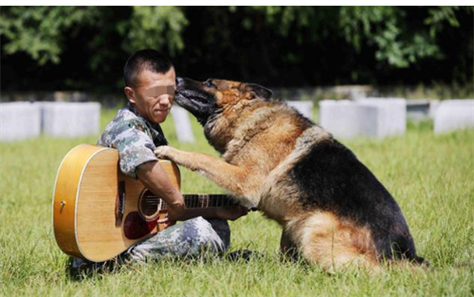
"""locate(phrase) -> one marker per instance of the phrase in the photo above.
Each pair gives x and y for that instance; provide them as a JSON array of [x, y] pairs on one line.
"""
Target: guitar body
[[98, 212]]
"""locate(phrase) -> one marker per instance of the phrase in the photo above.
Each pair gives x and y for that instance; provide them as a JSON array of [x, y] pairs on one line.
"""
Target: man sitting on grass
[[135, 132]]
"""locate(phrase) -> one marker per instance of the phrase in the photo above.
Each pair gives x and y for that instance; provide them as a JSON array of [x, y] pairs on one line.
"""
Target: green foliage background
[[84, 48]]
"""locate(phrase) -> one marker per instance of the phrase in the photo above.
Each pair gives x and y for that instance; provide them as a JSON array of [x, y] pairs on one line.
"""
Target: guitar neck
[[205, 201]]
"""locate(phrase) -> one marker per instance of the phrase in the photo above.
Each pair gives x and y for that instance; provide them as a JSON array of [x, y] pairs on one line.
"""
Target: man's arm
[[155, 179]]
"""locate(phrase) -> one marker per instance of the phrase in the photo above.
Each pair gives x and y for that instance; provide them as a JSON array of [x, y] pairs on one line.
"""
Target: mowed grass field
[[431, 177]]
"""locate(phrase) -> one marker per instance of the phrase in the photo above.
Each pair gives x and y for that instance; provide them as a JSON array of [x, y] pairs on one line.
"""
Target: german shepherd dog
[[333, 210]]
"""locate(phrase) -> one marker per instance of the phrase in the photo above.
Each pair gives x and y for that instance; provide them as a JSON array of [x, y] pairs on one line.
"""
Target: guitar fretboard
[[205, 201]]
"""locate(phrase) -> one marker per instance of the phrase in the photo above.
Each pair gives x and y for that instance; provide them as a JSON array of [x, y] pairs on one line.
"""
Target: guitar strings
[[194, 201]]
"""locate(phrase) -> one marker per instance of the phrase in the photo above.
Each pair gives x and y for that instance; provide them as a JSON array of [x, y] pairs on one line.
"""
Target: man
[[135, 132]]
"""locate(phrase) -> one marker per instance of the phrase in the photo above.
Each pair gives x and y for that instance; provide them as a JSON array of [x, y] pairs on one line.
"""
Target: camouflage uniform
[[135, 139]]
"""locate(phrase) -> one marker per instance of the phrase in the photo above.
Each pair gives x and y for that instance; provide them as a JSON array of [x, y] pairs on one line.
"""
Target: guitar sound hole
[[148, 205]]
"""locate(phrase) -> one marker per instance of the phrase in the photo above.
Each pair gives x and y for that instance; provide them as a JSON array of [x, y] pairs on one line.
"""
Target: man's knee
[[202, 235], [191, 237]]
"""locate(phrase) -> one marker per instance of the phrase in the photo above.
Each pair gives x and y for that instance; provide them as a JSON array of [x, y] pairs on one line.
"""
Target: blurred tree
[[39, 31], [155, 27], [86, 47], [400, 40]]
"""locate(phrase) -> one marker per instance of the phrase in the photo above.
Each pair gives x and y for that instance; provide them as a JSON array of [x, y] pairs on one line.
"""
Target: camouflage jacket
[[134, 137]]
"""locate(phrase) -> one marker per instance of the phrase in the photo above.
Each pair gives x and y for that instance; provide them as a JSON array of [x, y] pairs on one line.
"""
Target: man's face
[[153, 94]]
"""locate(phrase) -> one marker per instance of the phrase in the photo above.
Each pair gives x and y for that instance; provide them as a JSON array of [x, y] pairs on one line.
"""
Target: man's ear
[[260, 91], [130, 94]]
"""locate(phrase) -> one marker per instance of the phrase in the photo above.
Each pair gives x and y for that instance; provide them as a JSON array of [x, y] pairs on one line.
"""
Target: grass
[[430, 176]]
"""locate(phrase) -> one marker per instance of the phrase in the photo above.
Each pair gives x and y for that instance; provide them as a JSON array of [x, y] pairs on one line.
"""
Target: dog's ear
[[260, 92]]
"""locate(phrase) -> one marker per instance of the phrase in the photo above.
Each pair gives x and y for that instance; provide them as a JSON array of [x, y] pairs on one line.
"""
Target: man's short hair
[[146, 59]]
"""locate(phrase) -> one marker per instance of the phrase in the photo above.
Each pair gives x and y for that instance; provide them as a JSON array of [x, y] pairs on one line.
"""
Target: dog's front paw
[[164, 152]]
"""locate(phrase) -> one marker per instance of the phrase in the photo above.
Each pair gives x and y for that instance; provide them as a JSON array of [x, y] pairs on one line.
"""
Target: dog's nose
[[179, 80]]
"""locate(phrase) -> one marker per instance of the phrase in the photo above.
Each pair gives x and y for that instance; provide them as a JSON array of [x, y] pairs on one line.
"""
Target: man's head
[[150, 84]]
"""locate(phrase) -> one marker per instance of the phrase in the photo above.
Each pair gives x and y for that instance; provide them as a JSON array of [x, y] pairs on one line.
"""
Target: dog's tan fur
[[254, 167]]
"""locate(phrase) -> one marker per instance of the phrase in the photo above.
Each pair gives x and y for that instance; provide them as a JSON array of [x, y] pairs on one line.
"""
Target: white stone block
[[347, 119], [391, 115], [382, 98], [421, 109], [182, 123], [434, 104], [304, 107], [367, 118], [70, 119], [418, 109], [19, 120], [453, 115]]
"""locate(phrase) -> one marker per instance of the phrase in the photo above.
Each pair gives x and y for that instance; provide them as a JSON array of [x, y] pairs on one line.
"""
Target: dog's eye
[[208, 83]]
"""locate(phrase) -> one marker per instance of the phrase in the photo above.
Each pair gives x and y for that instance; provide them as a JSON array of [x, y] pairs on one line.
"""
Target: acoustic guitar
[[98, 212]]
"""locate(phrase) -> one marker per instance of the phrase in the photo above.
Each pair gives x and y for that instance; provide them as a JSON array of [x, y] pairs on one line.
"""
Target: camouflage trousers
[[189, 238]]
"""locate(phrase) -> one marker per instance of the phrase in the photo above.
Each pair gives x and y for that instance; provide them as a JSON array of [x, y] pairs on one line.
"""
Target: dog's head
[[219, 104], [205, 99]]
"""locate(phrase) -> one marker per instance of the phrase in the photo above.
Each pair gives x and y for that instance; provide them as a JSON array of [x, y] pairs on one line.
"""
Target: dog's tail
[[407, 251], [402, 249], [420, 261]]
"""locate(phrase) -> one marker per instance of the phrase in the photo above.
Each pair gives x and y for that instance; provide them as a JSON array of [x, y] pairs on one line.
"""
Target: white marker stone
[[19, 121], [391, 115], [182, 124], [347, 119], [453, 115], [374, 118], [70, 119], [304, 107], [421, 109]]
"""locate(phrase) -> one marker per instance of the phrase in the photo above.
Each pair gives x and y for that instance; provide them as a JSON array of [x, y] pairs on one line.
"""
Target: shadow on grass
[[80, 270], [86, 269]]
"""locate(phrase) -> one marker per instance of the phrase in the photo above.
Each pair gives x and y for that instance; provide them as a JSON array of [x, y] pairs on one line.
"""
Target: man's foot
[[80, 268]]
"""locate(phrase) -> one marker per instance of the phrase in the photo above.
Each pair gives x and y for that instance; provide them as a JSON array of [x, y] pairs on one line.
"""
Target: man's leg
[[190, 238]]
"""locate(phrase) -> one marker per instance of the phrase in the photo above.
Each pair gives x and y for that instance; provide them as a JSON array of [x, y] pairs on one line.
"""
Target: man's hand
[[174, 214], [225, 213], [231, 212]]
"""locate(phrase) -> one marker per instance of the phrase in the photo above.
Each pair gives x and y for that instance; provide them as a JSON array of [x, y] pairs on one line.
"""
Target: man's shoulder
[[127, 113], [125, 120]]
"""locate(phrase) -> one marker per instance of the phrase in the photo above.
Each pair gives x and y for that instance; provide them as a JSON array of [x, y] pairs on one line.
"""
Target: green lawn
[[431, 177]]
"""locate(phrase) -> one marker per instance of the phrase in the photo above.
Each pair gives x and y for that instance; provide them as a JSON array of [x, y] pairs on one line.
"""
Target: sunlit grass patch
[[430, 176]]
